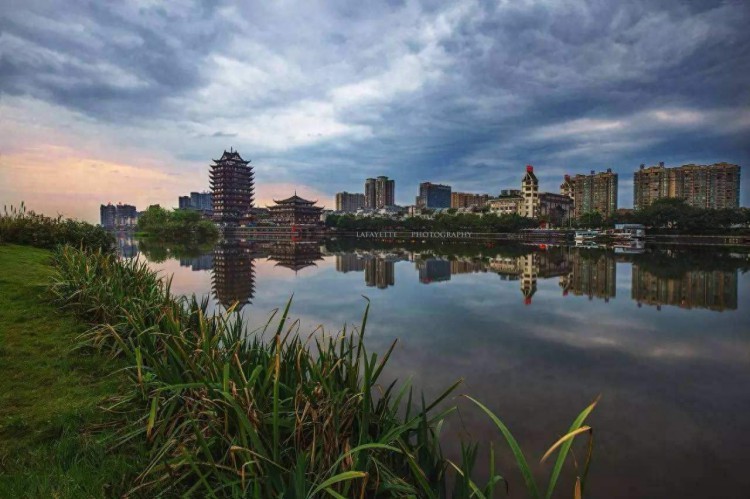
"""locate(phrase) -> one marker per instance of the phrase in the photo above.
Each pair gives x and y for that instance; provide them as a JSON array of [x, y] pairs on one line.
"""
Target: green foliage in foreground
[[50, 393], [176, 225], [19, 226], [230, 413]]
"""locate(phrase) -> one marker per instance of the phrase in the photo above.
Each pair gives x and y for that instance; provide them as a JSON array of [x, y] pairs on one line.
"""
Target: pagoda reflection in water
[[233, 276]]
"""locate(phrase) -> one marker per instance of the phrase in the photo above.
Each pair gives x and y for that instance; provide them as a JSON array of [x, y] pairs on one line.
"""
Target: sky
[[129, 101]]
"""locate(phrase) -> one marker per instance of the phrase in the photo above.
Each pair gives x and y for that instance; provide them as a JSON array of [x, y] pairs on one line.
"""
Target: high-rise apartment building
[[107, 215], [379, 192], [370, 201], [469, 200], [348, 202], [596, 192], [200, 201], [434, 195], [126, 215], [385, 192], [232, 184], [703, 186]]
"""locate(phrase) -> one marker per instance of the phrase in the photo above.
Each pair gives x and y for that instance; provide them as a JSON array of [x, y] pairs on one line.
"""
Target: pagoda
[[232, 185], [295, 211]]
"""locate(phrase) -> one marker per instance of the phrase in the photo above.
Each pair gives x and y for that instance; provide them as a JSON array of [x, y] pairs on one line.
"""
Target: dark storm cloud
[[465, 93]]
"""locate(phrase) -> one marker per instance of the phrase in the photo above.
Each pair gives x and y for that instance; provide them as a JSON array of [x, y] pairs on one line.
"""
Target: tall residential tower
[[703, 186], [596, 192]]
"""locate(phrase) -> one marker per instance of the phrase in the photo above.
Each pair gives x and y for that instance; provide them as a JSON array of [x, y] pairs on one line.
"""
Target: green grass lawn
[[49, 393]]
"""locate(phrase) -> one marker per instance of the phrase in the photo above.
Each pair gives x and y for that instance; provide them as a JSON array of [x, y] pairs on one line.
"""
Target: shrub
[[19, 226]]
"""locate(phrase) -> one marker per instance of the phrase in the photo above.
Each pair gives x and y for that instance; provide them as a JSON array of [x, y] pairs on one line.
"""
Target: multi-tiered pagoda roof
[[233, 185]]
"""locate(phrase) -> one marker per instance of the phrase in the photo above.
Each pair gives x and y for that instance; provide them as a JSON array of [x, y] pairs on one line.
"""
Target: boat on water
[[628, 232], [587, 236]]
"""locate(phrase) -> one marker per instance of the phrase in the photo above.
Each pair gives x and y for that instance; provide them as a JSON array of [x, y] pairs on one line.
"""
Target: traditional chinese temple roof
[[295, 200], [231, 156]]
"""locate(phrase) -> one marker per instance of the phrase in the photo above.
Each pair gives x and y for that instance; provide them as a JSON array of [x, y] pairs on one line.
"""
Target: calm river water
[[536, 333]]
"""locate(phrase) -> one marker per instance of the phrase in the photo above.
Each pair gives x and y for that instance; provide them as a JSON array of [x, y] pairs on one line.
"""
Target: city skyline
[[322, 96]]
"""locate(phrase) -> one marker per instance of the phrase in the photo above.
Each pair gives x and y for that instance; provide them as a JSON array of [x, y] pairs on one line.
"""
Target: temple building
[[295, 211], [232, 186]]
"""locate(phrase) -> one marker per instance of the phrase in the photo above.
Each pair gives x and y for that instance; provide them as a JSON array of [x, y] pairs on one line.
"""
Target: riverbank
[[50, 394]]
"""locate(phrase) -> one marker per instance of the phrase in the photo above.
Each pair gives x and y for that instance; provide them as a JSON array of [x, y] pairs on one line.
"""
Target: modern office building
[[107, 215], [183, 202], [232, 185], [349, 202], [714, 186], [469, 200], [295, 211], [434, 195]]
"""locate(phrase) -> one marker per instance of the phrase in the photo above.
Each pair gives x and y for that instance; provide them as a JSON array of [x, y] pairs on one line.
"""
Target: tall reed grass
[[19, 226], [269, 413]]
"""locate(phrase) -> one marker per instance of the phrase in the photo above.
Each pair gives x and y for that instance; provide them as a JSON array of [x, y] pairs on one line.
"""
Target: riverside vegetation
[[205, 407], [182, 226]]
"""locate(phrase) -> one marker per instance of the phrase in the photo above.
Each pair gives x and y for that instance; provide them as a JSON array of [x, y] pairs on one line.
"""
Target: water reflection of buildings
[[594, 276], [379, 269], [202, 262], [295, 255], [127, 246], [379, 272], [529, 268], [711, 289], [233, 278], [433, 270]]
